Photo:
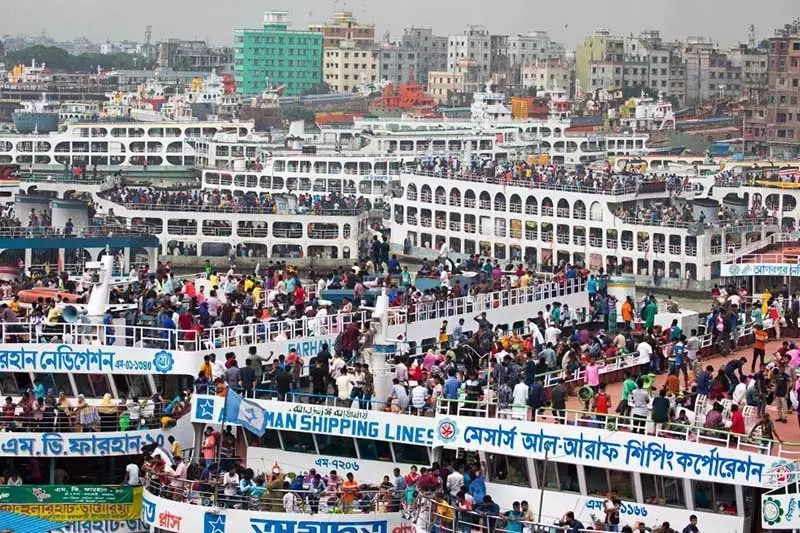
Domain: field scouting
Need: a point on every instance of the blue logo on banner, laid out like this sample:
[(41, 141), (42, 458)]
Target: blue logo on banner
[(205, 409), (163, 361), (214, 523), (148, 511)]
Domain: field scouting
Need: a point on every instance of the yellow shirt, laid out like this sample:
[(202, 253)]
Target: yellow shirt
[(524, 280), (14, 306), (177, 451), (248, 284), (214, 280), (257, 294)]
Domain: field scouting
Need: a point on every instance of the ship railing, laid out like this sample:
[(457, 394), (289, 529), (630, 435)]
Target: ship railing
[(300, 211), (432, 515), (90, 418), (56, 178), (441, 309), (617, 190), (307, 501), (42, 232)]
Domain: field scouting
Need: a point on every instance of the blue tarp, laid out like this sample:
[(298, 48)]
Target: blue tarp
[(20, 523)]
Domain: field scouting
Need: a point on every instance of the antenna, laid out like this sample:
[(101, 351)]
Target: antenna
[(148, 34), (751, 36)]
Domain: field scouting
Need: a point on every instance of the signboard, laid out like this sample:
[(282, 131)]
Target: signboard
[(323, 420), (780, 511), (78, 444), (106, 526), (63, 503), (178, 517), (760, 269), (597, 447), (38, 494), (89, 359)]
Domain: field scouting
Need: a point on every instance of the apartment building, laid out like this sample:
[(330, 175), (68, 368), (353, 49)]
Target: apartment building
[(431, 51), (351, 67), (344, 27)]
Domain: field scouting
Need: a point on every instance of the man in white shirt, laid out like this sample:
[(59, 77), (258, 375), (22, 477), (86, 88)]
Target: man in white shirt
[(740, 394), (217, 368), (132, 474), (551, 335), (534, 331), (344, 385), (418, 396), (290, 503), (455, 481), (230, 486), (645, 351)]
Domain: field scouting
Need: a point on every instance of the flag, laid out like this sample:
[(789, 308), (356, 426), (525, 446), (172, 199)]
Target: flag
[(249, 415)]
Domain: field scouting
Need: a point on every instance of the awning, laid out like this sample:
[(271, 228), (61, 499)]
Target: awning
[(20, 523)]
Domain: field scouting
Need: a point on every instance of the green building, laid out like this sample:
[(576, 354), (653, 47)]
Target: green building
[(286, 57)]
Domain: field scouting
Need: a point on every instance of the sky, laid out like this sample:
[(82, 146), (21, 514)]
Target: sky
[(567, 21)]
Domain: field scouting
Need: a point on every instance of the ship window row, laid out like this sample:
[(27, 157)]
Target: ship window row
[(99, 160), (251, 229), (652, 489), (346, 447), (255, 250), (335, 167), (545, 256), (279, 183), (90, 385)]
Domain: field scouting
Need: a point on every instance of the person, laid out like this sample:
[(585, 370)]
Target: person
[(641, 399), (759, 347), (349, 489), (520, 398), (132, 474), (767, 428), (692, 527), (514, 519), (175, 447), (569, 520), (737, 421), (558, 399), (611, 507), (660, 414), (664, 528)]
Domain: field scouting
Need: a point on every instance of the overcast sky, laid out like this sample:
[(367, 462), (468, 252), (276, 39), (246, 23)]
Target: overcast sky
[(567, 21)]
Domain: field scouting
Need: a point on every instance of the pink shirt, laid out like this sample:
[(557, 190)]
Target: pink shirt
[(592, 375)]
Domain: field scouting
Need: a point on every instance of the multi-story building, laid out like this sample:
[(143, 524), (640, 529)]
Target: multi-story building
[(179, 54), (349, 67), (431, 51), (605, 63), (752, 63), (399, 63), (344, 28), (470, 54), (548, 76), (528, 49), (444, 86), (277, 55), (782, 110), (710, 74)]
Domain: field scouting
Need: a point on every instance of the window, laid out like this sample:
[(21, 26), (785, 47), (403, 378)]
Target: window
[(57, 382), (132, 386), (374, 450), (508, 470), (338, 446), (663, 490), (298, 442), (95, 385), (558, 476), (270, 439), (410, 454), (599, 481), (714, 497)]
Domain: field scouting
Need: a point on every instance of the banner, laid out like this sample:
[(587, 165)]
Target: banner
[(78, 512), (324, 420), (780, 511), (594, 446), (78, 444), (66, 494), (760, 269)]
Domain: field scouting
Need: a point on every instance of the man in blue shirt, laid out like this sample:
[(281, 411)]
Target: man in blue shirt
[(451, 387), (692, 527)]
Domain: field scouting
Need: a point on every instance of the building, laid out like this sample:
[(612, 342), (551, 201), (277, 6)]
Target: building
[(131, 80), (445, 86), (350, 67), (399, 63), (344, 28), (284, 57), (431, 51), (470, 54), (752, 63), (179, 54), (605, 63), (783, 93), (548, 76), (710, 74)]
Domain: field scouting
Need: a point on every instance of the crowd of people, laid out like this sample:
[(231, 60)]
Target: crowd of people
[(214, 200), (42, 410)]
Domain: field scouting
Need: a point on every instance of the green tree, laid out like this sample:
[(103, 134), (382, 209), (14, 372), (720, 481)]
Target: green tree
[(59, 59)]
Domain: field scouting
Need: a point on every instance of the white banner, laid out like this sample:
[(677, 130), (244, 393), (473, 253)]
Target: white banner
[(323, 420), (180, 517), (607, 449), (105, 526), (78, 444), (780, 511), (760, 269)]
